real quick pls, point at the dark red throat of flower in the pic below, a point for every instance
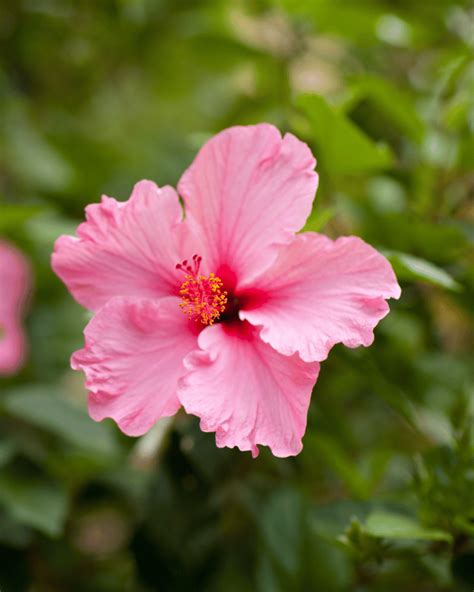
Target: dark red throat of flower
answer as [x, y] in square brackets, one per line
[204, 298]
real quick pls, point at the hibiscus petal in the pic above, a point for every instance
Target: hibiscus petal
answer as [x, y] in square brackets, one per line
[321, 292]
[248, 190]
[246, 392]
[133, 361]
[14, 288]
[124, 249]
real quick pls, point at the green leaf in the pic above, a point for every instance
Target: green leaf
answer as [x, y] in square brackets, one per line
[60, 417]
[281, 527]
[330, 519]
[45, 228]
[342, 146]
[7, 451]
[31, 156]
[40, 504]
[292, 555]
[12, 532]
[354, 22]
[408, 267]
[13, 216]
[329, 450]
[318, 220]
[390, 100]
[396, 526]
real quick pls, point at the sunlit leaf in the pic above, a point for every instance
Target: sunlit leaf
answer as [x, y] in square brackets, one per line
[342, 146]
[397, 526]
[408, 267]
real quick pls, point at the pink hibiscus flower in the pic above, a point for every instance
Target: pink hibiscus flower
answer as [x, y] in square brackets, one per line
[14, 287]
[226, 312]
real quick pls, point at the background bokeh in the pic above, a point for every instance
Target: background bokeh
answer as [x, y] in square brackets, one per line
[97, 95]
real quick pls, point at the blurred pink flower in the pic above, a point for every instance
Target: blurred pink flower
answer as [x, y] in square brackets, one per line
[14, 287]
[262, 306]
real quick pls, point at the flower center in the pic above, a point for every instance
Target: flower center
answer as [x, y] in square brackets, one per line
[203, 296]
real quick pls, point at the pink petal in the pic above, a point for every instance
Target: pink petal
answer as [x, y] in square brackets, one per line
[246, 392]
[14, 287]
[133, 360]
[124, 249]
[321, 292]
[248, 190]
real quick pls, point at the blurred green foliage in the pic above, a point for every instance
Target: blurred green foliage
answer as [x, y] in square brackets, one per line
[96, 95]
